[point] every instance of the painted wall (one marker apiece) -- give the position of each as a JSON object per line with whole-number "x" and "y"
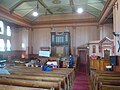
{"x": 84, "y": 34}
{"x": 79, "y": 36}
{"x": 19, "y": 39}
{"x": 106, "y": 31}
{"x": 40, "y": 38}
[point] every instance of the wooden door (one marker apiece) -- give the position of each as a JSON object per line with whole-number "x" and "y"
{"x": 83, "y": 56}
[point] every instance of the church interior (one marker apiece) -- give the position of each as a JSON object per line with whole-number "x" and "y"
{"x": 59, "y": 44}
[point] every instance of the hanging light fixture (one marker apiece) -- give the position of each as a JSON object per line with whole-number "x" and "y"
{"x": 79, "y": 10}
{"x": 35, "y": 13}
{"x": 56, "y": 1}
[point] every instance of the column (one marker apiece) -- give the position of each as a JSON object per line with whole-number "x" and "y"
{"x": 116, "y": 26}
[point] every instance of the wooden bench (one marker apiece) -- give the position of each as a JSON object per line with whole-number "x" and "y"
{"x": 109, "y": 85}
{"x": 38, "y": 78}
{"x": 96, "y": 76}
{"x": 94, "y": 73}
{"x": 64, "y": 72}
{"x": 10, "y": 87}
{"x": 105, "y": 79}
{"x": 31, "y": 83}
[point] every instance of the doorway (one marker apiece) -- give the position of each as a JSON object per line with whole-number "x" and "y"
{"x": 82, "y": 55}
{"x": 83, "y": 58}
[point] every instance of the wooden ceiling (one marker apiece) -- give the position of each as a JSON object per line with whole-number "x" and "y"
{"x": 20, "y": 11}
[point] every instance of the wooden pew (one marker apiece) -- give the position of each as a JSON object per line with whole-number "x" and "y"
{"x": 68, "y": 73}
{"x": 10, "y": 87}
{"x": 105, "y": 79}
{"x": 109, "y": 85}
{"x": 38, "y": 78}
{"x": 63, "y": 71}
{"x": 44, "y": 74}
{"x": 95, "y": 73}
{"x": 104, "y": 75}
{"x": 31, "y": 83}
{"x": 94, "y": 76}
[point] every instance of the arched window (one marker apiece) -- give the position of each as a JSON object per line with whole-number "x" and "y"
{"x": 8, "y": 45}
{"x": 8, "y": 31}
{"x": 2, "y": 45}
{"x": 1, "y": 27}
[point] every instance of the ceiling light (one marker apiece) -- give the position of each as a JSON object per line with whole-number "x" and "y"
{"x": 35, "y": 14}
{"x": 56, "y": 1}
{"x": 79, "y": 10}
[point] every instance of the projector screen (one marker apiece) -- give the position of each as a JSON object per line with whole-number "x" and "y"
{"x": 44, "y": 53}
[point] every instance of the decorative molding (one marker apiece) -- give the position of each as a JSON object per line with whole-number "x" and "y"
{"x": 64, "y": 25}
{"x": 69, "y": 21}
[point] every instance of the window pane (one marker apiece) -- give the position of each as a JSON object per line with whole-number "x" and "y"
{"x": 1, "y": 28}
{"x": 8, "y": 45}
{"x": 2, "y": 45}
{"x": 8, "y": 31}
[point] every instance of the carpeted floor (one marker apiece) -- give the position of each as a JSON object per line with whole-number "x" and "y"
{"x": 81, "y": 80}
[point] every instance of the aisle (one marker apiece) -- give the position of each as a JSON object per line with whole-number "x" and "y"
{"x": 81, "y": 80}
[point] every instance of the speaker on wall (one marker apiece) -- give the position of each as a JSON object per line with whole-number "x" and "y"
{"x": 113, "y": 60}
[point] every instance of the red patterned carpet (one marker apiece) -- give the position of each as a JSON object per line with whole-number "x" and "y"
{"x": 81, "y": 80}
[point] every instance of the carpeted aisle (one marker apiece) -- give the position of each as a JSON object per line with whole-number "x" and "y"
{"x": 81, "y": 80}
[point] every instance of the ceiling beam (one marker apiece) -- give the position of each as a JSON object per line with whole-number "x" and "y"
{"x": 28, "y": 12}
{"x": 91, "y": 13}
{"x": 45, "y": 6}
{"x": 14, "y": 18}
{"x": 15, "y": 6}
{"x": 72, "y": 5}
{"x": 22, "y": 1}
{"x": 103, "y": 1}
{"x": 18, "y": 4}
{"x": 94, "y": 7}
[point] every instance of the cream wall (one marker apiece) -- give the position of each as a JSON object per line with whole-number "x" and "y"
{"x": 84, "y": 34}
{"x": 106, "y": 31}
{"x": 19, "y": 36}
{"x": 79, "y": 36}
{"x": 40, "y": 38}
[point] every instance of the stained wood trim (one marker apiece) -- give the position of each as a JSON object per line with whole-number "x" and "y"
{"x": 64, "y": 21}
{"x": 64, "y": 25}
{"x": 106, "y": 10}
